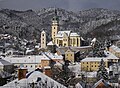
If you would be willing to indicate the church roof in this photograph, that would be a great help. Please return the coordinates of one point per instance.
(50, 43)
(74, 34)
(61, 33)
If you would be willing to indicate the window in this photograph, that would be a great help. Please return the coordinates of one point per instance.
(71, 54)
(95, 65)
(54, 27)
(42, 34)
(71, 41)
(31, 66)
(57, 41)
(26, 65)
(87, 62)
(64, 44)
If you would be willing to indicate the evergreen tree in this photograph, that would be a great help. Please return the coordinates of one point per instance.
(102, 72)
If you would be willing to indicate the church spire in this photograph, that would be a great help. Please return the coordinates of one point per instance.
(55, 18)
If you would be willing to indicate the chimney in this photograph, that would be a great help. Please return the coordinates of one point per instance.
(22, 73)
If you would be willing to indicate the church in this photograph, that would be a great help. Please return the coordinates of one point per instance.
(63, 38)
(60, 38)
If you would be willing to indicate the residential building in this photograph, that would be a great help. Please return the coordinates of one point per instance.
(32, 62)
(71, 55)
(92, 63)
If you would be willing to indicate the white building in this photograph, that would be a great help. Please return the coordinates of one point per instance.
(33, 61)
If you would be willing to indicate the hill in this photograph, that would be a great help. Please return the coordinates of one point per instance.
(96, 22)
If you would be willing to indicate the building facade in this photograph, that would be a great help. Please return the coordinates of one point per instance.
(92, 64)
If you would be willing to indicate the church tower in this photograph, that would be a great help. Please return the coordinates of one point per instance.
(43, 39)
(55, 26)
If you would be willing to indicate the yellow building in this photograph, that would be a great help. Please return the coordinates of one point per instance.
(70, 55)
(63, 38)
(92, 63)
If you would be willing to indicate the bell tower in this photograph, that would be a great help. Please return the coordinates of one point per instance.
(55, 26)
(43, 39)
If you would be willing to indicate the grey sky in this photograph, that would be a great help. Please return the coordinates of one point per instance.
(74, 5)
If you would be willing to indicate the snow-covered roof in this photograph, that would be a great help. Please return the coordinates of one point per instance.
(94, 40)
(93, 59)
(52, 55)
(115, 48)
(34, 77)
(43, 31)
(4, 62)
(50, 43)
(25, 59)
(61, 33)
(32, 59)
(74, 34)
(82, 39)
(78, 85)
(109, 56)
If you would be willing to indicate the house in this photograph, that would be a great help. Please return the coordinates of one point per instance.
(71, 55)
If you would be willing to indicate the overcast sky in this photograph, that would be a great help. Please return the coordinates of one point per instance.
(73, 5)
